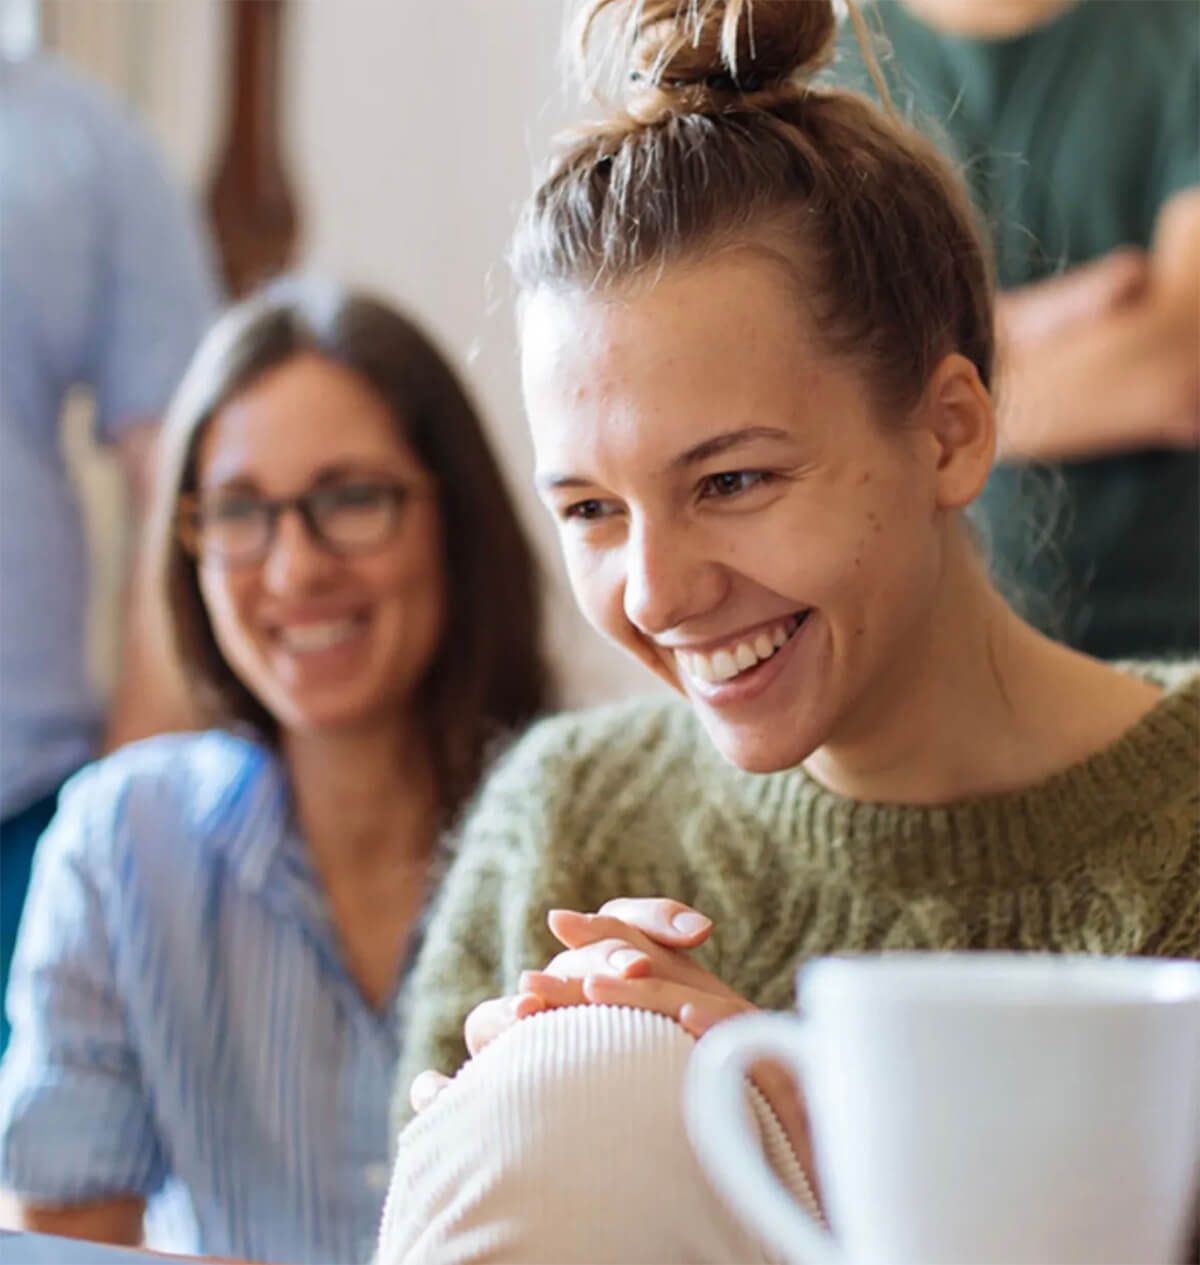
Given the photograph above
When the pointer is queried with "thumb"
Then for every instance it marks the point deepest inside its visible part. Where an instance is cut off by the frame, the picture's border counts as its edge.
(425, 1088)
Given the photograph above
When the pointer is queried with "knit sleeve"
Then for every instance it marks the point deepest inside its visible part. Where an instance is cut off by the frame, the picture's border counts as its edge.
(517, 855)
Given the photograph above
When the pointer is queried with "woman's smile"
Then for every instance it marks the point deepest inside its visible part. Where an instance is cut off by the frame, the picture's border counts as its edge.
(715, 669)
(317, 638)
(326, 647)
(756, 679)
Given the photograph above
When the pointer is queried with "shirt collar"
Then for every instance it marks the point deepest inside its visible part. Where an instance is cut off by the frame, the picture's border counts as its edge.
(266, 853)
(252, 819)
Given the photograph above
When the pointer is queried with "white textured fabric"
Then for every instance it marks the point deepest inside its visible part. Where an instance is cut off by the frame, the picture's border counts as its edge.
(564, 1142)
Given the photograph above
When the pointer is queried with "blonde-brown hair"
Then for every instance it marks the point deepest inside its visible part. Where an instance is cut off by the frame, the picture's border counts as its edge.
(724, 139)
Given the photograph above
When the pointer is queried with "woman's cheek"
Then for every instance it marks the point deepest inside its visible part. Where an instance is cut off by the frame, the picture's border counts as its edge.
(596, 585)
(219, 593)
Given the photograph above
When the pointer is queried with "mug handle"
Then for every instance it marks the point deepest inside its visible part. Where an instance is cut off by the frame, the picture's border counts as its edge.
(718, 1126)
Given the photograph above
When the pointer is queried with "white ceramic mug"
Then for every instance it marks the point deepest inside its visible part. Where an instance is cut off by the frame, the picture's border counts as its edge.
(1007, 1109)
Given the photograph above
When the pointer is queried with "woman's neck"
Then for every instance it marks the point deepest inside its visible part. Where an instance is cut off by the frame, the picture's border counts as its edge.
(368, 809)
(987, 19)
(980, 703)
(366, 800)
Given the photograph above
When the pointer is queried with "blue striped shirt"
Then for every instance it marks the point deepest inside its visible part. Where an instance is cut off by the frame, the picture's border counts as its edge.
(107, 284)
(183, 1026)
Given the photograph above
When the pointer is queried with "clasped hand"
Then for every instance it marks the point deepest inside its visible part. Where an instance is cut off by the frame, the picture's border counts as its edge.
(632, 952)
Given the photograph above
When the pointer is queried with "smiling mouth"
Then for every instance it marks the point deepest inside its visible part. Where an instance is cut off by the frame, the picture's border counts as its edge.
(719, 666)
(312, 638)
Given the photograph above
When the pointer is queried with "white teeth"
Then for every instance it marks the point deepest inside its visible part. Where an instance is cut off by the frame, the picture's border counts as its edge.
(310, 638)
(723, 665)
(699, 666)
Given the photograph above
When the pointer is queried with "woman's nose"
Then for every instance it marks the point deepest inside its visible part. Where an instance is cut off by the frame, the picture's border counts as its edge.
(667, 581)
(294, 558)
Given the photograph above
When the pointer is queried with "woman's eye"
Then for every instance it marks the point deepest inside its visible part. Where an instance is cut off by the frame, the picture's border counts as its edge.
(352, 496)
(234, 509)
(732, 482)
(588, 510)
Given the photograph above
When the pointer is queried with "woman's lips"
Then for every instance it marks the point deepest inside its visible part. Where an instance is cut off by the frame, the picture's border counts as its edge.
(741, 655)
(749, 683)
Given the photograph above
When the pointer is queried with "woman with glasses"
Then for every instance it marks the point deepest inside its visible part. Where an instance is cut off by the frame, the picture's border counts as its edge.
(203, 1001)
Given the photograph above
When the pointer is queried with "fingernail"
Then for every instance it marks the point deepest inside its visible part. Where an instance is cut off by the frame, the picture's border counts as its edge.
(624, 959)
(691, 923)
(694, 1020)
(527, 1004)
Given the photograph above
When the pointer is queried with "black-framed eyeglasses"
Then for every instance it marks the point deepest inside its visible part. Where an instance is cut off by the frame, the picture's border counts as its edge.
(352, 516)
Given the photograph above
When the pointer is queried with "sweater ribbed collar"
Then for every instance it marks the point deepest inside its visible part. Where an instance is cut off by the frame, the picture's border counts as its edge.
(1106, 801)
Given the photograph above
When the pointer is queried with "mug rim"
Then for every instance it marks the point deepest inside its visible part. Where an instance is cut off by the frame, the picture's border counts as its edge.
(994, 979)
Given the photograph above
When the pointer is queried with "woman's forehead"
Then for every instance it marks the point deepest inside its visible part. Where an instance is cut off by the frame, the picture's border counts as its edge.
(653, 372)
(297, 416)
(734, 316)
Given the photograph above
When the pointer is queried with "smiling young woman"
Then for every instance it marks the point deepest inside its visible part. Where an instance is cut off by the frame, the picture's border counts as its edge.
(757, 353)
(203, 999)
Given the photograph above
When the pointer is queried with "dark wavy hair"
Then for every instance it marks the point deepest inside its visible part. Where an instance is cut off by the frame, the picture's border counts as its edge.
(489, 676)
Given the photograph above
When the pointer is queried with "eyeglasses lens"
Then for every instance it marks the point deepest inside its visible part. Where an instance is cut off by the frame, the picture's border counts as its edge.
(354, 516)
(346, 518)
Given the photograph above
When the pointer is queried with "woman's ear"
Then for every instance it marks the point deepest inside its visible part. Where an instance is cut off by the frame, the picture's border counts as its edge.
(957, 411)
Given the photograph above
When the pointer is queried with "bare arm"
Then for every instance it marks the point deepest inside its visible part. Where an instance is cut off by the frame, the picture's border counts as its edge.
(1041, 309)
(116, 1220)
(151, 696)
(1123, 372)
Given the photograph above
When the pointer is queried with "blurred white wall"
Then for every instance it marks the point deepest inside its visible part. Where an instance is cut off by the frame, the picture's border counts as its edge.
(413, 129)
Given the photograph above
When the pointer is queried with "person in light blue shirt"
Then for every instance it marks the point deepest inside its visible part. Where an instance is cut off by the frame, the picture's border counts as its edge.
(105, 284)
(203, 994)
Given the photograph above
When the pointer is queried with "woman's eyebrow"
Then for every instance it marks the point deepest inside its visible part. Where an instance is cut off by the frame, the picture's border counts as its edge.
(361, 468)
(228, 483)
(724, 442)
(711, 447)
(334, 473)
(550, 482)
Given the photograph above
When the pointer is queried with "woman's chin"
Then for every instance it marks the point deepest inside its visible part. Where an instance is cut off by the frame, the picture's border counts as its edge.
(329, 717)
(754, 751)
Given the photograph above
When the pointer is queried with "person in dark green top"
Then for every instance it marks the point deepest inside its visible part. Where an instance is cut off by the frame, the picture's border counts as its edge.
(1077, 125)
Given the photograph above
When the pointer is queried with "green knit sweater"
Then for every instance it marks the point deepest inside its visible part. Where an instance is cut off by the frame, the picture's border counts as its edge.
(632, 800)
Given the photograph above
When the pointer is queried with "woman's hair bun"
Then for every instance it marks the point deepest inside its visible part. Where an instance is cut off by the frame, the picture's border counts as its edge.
(725, 46)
